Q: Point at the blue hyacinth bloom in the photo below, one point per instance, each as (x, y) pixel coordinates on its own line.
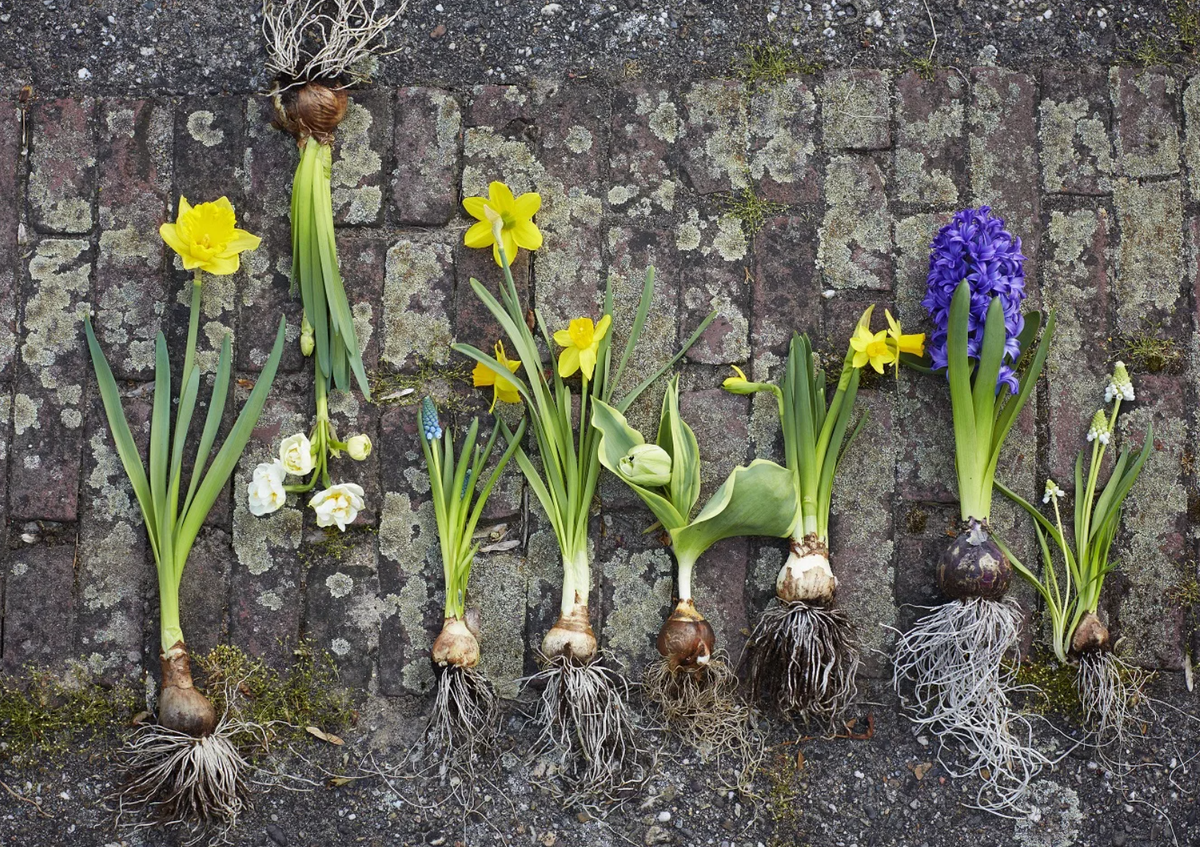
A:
(976, 247)
(429, 420)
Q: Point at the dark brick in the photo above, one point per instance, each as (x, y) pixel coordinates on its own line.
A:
(334, 594)
(62, 175)
(724, 566)
(364, 266)
(472, 321)
(204, 591)
(923, 532)
(51, 378)
(573, 123)
(782, 142)
(359, 157)
(716, 277)
(719, 420)
(785, 292)
(646, 130)
(1145, 106)
(1074, 120)
(10, 143)
(930, 158)
(635, 600)
(716, 136)
(856, 110)
(427, 141)
(39, 606)
(509, 109)
(210, 141)
(135, 159)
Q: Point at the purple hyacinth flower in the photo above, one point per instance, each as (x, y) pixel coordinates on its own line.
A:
(976, 247)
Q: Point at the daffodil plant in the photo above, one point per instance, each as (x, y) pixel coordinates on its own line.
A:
(802, 652)
(202, 780)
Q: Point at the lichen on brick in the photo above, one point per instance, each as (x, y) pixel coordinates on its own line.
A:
(407, 536)
(718, 127)
(56, 307)
(855, 244)
(1150, 256)
(356, 162)
(640, 595)
(780, 155)
(200, 127)
(1066, 127)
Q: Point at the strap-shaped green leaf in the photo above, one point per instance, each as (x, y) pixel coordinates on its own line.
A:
(968, 461)
(678, 439)
(160, 437)
(212, 422)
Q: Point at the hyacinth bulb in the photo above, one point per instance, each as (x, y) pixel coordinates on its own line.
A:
(974, 566)
(686, 639)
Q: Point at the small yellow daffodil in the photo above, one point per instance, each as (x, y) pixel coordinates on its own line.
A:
(206, 236)
(502, 389)
(737, 383)
(582, 342)
(913, 343)
(503, 220)
(871, 347)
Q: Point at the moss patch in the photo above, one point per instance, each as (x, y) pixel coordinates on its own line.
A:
(763, 65)
(785, 775)
(1055, 686)
(1148, 350)
(429, 378)
(752, 210)
(336, 546)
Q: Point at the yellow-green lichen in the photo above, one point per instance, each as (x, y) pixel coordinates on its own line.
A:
(356, 162)
(855, 244)
(717, 112)
(407, 537)
(1064, 126)
(1150, 255)
(200, 127)
(53, 313)
(782, 118)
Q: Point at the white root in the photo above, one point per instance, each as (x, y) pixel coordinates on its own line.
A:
(324, 40)
(953, 659)
(1112, 695)
(465, 719)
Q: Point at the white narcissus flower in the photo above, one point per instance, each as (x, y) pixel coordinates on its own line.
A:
(359, 447)
(266, 489)
(338, 504)
(296, 455)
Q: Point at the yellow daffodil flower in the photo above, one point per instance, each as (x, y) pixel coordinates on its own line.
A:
(503, 220)
(502, 389)
(737, 382)
(582, 342)
(913, 343)
(206, 237)
(871, 347)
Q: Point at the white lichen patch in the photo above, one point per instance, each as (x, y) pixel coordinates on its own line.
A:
(717, 118)
(1191, 146)
(855, 109)
(855, 244)
(1150, 256)
(355, 164)
(498, 590)
(640, 597)
(406, 537)
(25, 413)
(130, 243)
(1056, 820)
(578, 140)
(1152, 128)
(416, 308)
(270, 600)
(1075, 146)
(71, 418)
(916, 180)
(339, 584)
(781, 125)
(54, 312)
(200, 127)
(120, 122)
(340, 647)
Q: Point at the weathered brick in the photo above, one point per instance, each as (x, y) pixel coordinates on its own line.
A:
(786, 296)
(418, 304)
(364, 268)
(62, 174)
(646, 129)
(135, 160)
(204, 591)
(862, 535)
(573, 123)
(715, 137)
(265, 596)
(116, 567)
(210, 138)
(1003, 153)
(720, 422)
(342, 614)
(10, 144)
(1077, 367)
(1149, 268)
(722, 569)
(1152, 545)
(923, 532)
(1144, 109)
(53, 370)
(39, 606)
(359, 156)
(1074, 119)
(507, 108)
(856, 110)
(497, 588)
(856, 233)
(472, 322)
(428, 135)
(930, 160)
(1191, 147)
(782, 142)
(635, 604)
(543, 589)
(715, 261)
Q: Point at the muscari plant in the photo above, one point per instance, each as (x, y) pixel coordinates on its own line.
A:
(582, 708)
(803, 654)
(692, 684)
(315, 49)
(950, 666)
(466, 711)
(185, 767)
(1109, 689)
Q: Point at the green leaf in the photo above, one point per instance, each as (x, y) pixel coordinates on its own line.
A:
(635, 332)
(617, 438)
(212, 422)
(991, 356)
(160, 430)
(678, 439)
(968, 461)
(628, 399)
(1119, 494)
(758, 499)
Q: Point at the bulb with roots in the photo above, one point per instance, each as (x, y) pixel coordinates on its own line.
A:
(313, 110)
(803, 654)
(686, 640)
(974, 565)
(571, 638)
(1111, 691)
(457, 645)
(180, 706)
(465, 719)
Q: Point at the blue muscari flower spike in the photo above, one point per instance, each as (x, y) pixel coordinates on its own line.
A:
(466, 482)
(976, 247)
(429, 420)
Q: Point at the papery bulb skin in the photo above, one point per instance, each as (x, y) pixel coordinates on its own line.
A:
(456, 645)
(686, 639)
(180, 706)
(571, 636)
(314, 110)
(1091, 636)
(974, 566)
(806, 575)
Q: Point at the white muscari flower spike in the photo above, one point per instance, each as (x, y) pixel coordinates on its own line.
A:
(1052, 491)
(1099, 428)
(1119, 384)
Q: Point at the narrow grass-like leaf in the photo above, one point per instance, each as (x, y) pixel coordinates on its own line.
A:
(212, 422)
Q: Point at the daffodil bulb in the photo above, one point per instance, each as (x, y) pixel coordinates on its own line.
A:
(806, 575)
(266, 491)
(359, 447)
(338, 504)
(647, 465)
(295, 453)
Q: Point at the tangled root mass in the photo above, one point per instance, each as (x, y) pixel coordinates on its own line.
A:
(803, 658)
(1112, 696)
(466, 717)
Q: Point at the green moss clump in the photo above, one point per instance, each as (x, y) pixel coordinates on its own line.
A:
(785, 777)
(388, 387)
(764, 65)
(43, 714)
(1185, 17)
(335, 546)
(307, 693)
(917, 520)
(752, 210)
(1149, 351)
(1055, 684)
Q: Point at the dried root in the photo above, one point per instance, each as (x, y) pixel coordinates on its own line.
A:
(803, 659)
(960, 688)
(324, 40)
(465, 720)
(584, 717)
(1112, 695)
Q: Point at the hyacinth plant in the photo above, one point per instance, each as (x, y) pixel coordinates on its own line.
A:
(315, 49)
(1109, 689)
(466, 712)
(582, 708)
(185, 767)
(803, 654)
(949, 666)
(692, 684)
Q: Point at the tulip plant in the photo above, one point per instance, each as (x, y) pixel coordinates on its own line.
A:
(1109, 689)
(803, 652)
(952, 658)
(581, 708)
(185, 766)
(466, 711)
(694, 687)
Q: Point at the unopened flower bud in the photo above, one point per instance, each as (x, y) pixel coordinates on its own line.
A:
(1052, 491)
(1099, 428)
(1119, 384)
(359, 447)
(430, 427)
(646, 464)
(307, 342)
